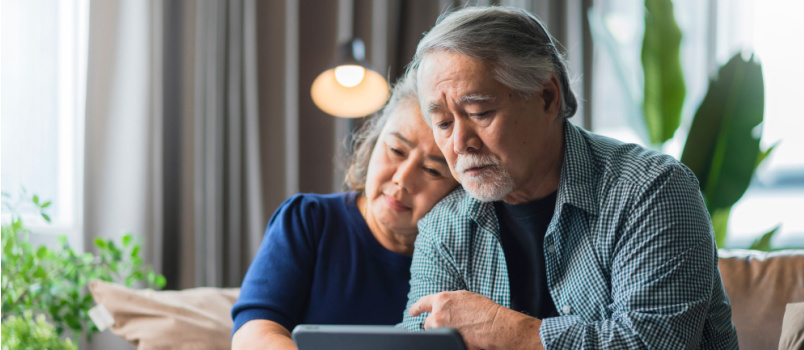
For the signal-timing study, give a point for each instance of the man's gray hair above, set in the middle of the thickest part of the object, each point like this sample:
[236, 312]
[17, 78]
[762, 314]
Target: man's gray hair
[366, 138]
[520, 50]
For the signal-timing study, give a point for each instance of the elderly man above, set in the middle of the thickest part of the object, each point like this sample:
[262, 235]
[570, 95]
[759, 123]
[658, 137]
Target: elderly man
[559, 238]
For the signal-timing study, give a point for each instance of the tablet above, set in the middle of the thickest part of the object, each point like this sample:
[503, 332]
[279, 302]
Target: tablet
[332, 337]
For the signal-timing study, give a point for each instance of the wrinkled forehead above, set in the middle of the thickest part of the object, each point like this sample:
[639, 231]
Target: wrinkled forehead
[446, 77]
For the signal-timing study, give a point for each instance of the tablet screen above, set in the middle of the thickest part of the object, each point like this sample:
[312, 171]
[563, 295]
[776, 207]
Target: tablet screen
[331, 337]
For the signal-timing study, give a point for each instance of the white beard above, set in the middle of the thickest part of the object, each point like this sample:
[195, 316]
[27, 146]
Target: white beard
[492, 183]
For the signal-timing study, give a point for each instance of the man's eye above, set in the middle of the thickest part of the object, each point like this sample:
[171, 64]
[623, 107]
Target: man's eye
[480, 115]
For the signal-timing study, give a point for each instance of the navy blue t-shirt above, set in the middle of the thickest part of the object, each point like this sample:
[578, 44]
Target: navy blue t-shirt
[522, 230]
[320, 264]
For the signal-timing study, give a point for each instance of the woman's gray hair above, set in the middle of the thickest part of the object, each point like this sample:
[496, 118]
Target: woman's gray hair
[366, 138]
[520, 50]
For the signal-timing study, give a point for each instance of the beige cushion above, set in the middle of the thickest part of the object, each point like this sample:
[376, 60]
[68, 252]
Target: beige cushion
[759, 286]
[196, 318]
[793, 327]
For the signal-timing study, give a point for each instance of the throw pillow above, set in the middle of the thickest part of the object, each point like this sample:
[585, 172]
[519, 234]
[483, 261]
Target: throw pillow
[793, 327]
[197, 318]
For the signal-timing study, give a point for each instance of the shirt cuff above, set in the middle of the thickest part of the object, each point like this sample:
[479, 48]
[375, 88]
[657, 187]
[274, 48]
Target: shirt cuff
[553, 327]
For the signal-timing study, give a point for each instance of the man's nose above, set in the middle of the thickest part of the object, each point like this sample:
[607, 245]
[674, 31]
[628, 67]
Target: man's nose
[464, 138]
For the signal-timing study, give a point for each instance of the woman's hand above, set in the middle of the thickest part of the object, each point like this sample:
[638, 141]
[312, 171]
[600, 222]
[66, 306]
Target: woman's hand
[262, 334]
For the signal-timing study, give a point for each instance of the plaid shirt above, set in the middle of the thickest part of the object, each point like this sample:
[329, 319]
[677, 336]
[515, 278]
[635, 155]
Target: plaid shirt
[630, 255]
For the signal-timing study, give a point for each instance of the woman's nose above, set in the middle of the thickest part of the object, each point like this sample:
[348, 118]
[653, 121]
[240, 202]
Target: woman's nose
[464, 138]
[404, 177]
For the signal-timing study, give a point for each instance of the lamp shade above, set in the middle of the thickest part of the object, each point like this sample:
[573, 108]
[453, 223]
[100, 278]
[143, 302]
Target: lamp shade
[350, 88]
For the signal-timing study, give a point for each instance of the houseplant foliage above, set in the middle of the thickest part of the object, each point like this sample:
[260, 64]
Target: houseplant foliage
[44, 282]
[664, 80]
[28, 332]
[722, 146]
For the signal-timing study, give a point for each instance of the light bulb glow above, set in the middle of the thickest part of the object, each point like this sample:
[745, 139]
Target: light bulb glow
[349, 76]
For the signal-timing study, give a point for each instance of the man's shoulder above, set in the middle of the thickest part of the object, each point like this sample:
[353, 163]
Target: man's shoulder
[451, 214]
[451, 206]
[618, 161]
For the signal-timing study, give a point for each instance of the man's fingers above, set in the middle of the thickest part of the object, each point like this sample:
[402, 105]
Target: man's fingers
[425, 304]
[429, 322]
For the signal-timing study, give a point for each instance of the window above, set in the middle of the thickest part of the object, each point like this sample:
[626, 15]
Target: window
[712, 32]
[43, 74]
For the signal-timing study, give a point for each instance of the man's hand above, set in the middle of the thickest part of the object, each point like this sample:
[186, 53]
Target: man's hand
[483, 323]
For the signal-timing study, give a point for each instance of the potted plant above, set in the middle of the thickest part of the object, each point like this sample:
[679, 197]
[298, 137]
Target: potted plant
[45, 298]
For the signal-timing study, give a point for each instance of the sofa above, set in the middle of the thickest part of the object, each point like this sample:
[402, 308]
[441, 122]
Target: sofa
[760, 286]
[765, 290]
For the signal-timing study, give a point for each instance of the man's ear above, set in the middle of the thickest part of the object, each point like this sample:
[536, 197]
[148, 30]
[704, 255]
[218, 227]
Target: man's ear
[551, 93]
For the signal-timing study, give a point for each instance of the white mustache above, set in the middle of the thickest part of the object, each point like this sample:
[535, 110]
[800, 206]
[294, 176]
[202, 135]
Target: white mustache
[475, 161]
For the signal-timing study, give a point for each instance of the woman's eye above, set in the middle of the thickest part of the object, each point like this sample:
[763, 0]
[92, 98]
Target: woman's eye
[433, 172]
[395, 151]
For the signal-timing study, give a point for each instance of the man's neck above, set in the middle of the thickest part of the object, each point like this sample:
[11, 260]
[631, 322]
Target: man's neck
[544, 182]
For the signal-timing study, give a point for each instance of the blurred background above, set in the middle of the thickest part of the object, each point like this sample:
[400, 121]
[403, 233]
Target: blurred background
[188, 122]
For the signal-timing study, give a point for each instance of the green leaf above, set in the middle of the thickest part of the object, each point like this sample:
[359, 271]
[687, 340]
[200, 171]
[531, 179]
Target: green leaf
[721, 148]
[720, 220]
[40, 273]
[764, 154]
[46, 217]
[112, 246]
[135, 251]
[41, 252]
[763, 242]
[8, 249]
[127, 239]
[36, 199]
[664, 79]
[45, 205]
[160, 281]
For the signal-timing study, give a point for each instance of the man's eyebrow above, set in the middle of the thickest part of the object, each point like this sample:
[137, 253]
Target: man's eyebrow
[475, 98]
[433, 107]
[465, 99]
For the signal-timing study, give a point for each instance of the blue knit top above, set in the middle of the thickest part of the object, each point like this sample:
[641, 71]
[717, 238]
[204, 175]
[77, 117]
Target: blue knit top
[320, 264]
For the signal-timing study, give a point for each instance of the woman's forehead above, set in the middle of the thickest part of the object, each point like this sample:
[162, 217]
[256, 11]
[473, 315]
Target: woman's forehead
[405, 117]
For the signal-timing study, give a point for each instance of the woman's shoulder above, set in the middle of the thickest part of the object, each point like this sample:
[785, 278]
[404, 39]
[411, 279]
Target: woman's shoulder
[307, 201]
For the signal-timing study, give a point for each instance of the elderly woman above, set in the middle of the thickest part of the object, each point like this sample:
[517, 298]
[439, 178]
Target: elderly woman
[345, 258]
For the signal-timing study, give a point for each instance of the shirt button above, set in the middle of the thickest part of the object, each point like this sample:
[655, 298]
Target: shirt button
[566, 309]
[551, 249]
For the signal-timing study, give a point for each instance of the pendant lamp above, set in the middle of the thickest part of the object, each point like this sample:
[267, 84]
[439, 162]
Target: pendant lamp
[350, 88]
